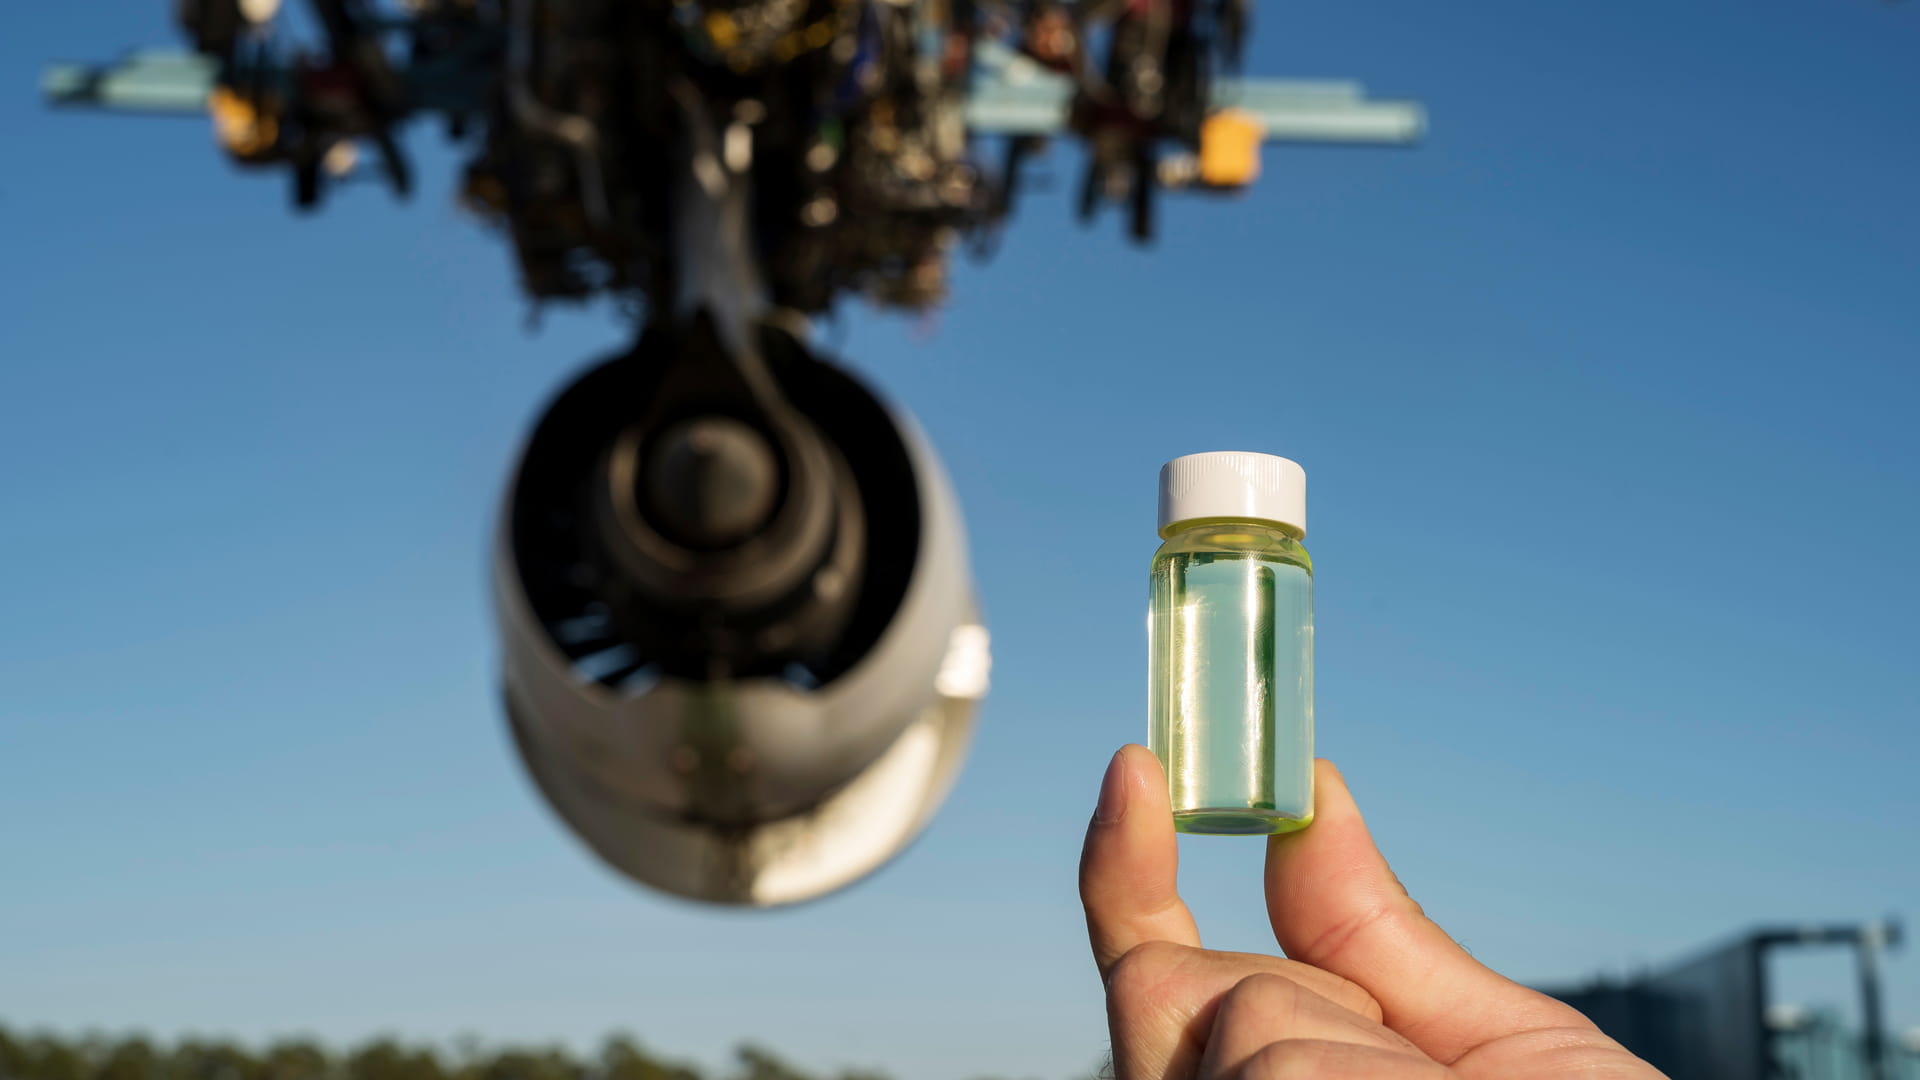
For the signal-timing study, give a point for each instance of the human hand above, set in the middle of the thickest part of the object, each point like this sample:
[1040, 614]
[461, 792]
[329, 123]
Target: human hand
[1373, 988]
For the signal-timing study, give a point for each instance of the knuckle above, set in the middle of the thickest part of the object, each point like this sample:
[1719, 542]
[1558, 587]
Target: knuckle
[1288, 1059]
[1268, 985]
[1145, 975]
[1265, 995]
[1271, 1005]
[1302, 1059]
[1341, 991]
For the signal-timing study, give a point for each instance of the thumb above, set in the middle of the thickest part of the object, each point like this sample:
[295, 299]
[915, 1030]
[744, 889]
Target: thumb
[1335, 904]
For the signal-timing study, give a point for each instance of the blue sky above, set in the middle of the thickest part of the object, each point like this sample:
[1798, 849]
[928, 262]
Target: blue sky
[1606, 395]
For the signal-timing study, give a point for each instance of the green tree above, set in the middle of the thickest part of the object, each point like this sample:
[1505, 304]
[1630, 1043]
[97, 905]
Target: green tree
[194, 1059]
[759, 1063]
[298, 1059]
[549, 1063]
[49, 1058]
[621, 1058]
[13, 1057]
[128, 1059]
[385, 1059]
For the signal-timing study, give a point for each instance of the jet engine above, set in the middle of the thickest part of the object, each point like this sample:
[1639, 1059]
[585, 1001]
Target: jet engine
[741, 650]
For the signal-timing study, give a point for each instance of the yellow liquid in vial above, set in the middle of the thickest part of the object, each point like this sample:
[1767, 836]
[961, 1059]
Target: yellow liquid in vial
[1230, 679]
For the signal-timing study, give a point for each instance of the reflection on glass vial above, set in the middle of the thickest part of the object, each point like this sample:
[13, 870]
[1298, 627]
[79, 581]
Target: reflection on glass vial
[1230, 672]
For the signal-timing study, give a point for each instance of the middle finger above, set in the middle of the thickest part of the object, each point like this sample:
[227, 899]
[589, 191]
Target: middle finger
[1266, 1008]
[1161, 999]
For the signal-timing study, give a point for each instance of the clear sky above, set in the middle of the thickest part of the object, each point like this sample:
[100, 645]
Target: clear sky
[1606, 394]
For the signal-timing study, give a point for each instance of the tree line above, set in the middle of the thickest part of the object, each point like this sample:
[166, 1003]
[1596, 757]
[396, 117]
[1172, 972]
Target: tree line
[41, 1056]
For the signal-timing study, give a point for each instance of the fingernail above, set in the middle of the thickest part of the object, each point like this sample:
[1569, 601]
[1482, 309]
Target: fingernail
[1113, 792]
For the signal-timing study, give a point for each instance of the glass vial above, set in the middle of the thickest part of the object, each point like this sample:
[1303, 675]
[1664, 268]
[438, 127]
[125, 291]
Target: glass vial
[1230, 644]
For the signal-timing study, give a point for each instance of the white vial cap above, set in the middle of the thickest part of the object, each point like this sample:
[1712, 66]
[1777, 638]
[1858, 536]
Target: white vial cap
[1233, 484]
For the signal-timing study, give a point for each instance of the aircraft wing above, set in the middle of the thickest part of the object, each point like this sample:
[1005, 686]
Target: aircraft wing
[1011, 96]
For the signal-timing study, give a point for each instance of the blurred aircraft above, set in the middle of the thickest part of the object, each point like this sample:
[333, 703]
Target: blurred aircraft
[741, 652]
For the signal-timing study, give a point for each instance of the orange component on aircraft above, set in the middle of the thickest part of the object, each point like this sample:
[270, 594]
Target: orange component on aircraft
[1230, 148]
[245, 130]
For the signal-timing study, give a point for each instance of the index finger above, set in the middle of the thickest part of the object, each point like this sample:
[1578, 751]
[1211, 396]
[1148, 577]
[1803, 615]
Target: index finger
[1129, 866]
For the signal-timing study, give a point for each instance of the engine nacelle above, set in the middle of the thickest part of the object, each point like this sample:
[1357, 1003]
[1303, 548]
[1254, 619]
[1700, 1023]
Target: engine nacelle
[742, 663]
